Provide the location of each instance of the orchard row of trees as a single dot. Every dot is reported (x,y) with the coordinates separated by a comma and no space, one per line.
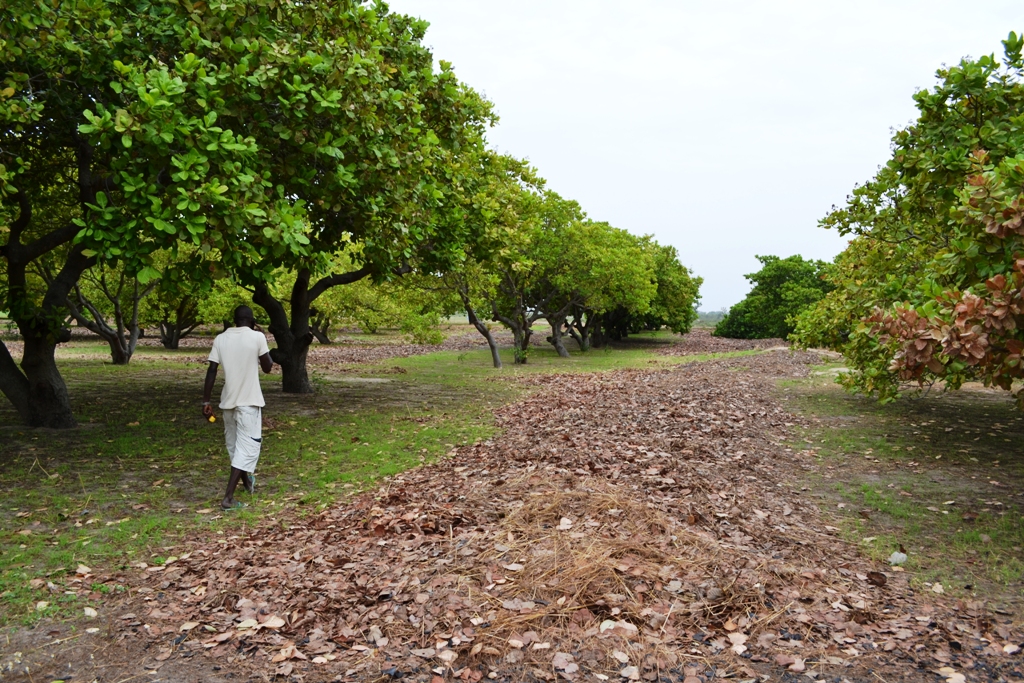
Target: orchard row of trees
(931,286)
(156,157)
(119,308)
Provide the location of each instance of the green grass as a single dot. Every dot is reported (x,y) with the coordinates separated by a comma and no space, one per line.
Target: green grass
(941,474)
(145,471)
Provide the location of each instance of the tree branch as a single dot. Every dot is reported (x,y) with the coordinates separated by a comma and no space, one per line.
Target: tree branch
(334,280)
(98,325)
(13,383)
(24,218)
(56,296)
(46,243)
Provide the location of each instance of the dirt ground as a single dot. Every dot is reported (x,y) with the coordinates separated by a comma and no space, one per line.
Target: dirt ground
(625,526)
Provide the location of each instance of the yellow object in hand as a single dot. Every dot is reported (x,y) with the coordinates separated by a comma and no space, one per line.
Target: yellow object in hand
(213,419)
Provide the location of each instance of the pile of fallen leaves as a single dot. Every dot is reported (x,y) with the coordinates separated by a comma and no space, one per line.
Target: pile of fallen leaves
(633,525)
(340,357)
(700,340)
(345,354)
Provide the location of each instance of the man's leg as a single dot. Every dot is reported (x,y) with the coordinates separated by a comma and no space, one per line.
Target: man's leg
(229,501)
(248,440)
(231,441)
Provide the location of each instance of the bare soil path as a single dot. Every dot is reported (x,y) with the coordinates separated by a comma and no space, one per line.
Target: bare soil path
(625,526)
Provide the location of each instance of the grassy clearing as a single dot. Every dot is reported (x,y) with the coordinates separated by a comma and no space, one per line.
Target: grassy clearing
(145,470)
(941,474)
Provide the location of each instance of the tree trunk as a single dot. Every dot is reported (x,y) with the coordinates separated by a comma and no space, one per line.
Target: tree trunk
(291,356)
(123,335)
(14,384)
(521,340)
(481,327)
(49,404)
(556,336)
(37,390)
(172,332)
(170,335)
(119,351)
(119,354)
(520,336)
(293,339)
(582,330)
(556,318)
(519,323)
(577,337)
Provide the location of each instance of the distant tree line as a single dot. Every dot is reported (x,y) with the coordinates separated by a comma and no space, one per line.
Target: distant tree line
(782,290)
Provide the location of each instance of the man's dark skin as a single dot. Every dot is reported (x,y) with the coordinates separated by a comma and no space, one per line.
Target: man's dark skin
(243,318)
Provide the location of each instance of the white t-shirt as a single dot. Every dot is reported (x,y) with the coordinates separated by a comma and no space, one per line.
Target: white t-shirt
(238,350)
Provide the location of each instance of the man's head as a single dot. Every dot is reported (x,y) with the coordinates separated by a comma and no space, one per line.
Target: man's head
(244,317)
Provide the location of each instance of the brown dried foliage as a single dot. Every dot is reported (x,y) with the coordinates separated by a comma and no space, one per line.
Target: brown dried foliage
(976,330)
(634,524)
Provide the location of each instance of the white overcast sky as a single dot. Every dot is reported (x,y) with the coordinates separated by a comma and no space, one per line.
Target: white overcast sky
(727,129)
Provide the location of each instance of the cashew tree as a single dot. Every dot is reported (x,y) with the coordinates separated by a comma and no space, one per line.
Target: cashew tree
(261,132)
(931,288)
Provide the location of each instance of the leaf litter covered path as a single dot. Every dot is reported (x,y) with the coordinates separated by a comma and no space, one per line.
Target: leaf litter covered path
(635,525)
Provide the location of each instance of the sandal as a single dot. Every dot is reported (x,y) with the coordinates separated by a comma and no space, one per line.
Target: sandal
(237,505)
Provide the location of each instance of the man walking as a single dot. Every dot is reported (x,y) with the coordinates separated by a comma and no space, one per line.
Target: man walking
(242,351)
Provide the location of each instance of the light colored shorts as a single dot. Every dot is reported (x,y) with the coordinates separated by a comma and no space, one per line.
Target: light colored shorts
(243,434)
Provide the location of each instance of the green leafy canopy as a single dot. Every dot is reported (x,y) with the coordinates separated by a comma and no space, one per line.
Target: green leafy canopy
(930,288)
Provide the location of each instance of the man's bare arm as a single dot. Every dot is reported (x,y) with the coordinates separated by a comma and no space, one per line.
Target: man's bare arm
(211,377)
(266,363)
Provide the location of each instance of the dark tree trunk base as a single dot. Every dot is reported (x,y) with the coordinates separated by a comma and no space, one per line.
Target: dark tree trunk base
(556,337)
(294,377)
(48,404)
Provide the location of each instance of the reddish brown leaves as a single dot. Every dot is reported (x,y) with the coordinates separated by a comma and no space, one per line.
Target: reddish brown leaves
(978,330)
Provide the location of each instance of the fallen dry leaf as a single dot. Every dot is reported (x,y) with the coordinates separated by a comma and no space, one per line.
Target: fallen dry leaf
(274,622)
(738,641)
(562,660)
